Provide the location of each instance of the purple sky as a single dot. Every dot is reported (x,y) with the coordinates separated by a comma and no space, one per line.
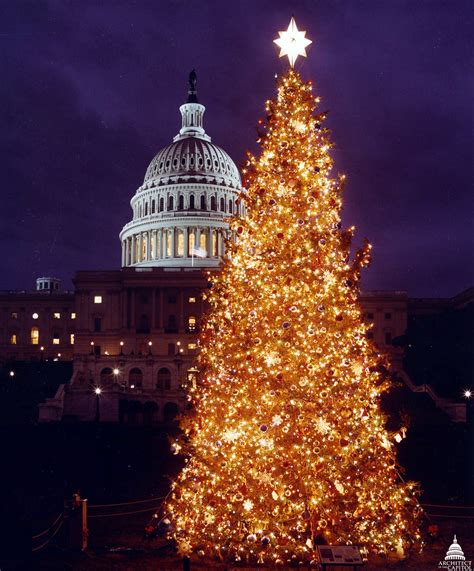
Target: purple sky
(90,92)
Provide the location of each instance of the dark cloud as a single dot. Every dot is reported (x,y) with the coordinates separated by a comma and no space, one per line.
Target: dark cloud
(90,91)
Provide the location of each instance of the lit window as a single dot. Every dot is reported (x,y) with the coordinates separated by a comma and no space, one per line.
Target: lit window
(14,315)
(57,315)
(192,346)
(34,336)
(192,300)
(56,339)
(35,316)
(169,240)
(203,242)
(71,338)
(191,324)
(180,243)
(191,241)
(73,316)
(97,299)
(13,339)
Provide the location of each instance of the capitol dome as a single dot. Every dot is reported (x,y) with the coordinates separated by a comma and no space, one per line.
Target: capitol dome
(181,211)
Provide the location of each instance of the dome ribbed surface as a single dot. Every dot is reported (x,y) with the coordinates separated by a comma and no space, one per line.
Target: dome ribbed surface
(192,156)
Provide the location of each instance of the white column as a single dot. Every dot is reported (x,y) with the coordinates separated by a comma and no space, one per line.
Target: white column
(219,243)
(140,247)
(133,249)
(209,242)
(197,238)
(173,242)
(186,249)
(148,246)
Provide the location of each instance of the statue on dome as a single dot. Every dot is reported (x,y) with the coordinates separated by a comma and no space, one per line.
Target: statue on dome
(192,80)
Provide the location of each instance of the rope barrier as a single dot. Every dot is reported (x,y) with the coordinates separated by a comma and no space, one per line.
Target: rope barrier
(450,507)
(125,513)
(125,503)
(48,540)
(453,516)
(49,528)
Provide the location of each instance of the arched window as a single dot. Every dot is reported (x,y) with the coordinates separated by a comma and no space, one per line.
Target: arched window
(230,206)
(162,204)
(135,378)
(153,206)
(180,243)
(213,203)
(163,380)
(169,241)
(34,336)
(222,205)
(170,203)
(192,324)
(181,202)
(106,377)
(203,202)
(191,202)
(191,241)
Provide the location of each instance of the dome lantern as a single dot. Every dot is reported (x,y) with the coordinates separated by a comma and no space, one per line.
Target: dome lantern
(192,113)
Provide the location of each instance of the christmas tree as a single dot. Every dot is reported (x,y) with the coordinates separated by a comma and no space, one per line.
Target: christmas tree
(285,443)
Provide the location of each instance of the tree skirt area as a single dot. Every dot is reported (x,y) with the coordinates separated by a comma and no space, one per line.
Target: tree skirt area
(116,546)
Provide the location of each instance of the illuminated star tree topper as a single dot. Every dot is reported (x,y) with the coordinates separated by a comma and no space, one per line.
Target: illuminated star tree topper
(292,43)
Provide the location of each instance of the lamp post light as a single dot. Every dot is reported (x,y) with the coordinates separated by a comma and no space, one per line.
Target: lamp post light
(121,347)
(98,392)
(468,395)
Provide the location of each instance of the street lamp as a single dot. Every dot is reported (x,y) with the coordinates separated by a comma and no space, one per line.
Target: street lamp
(468,394)
(98,392)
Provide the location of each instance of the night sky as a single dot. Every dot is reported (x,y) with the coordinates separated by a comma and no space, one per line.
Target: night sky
(90,92)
